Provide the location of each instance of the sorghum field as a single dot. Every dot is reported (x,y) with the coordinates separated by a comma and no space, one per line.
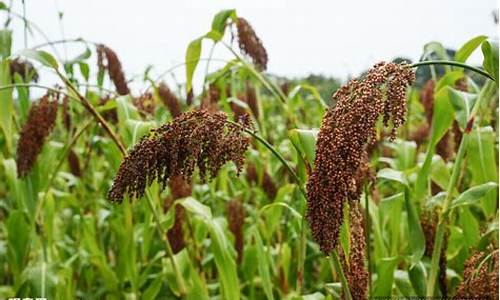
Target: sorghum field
(251,186)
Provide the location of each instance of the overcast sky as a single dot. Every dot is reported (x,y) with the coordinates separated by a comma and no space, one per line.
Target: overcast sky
(338,38)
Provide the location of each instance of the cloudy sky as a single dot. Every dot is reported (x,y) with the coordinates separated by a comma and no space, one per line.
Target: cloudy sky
(338,38)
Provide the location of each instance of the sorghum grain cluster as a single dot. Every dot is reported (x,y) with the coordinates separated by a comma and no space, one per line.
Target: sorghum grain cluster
(41,120)
(250,44)
(480,281)
(114,67)
(345,131)
(197,138)
(169,99)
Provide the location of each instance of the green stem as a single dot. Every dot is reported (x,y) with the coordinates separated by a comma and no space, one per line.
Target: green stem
(452,63)
(170,253)
(343,280)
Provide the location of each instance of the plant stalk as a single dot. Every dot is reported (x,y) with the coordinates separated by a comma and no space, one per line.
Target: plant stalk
(340,273)
(452,63)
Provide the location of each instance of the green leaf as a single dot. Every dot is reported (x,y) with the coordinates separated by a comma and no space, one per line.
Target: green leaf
(6,104)
(153,289)
(311,89)
(403,283)
(224,260)
(393,175)
(85,70)
(3,6)
(263,265)
(295,213)
(193,53)
(483,165)
(463,103)
(5,43)
(417,278)
(470,226)
(385,272)
(415,234)
(41,56)
(304,140)
(220,19)
(473,195)
(442,119)
(466,50)
(436,48)
(490,53)
(80,58)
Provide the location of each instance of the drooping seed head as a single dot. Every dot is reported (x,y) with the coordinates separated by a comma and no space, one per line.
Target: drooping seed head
(196,138)
(251,44)
(41,120)
(114,67)
(169,99)
(480,280)
(345,131)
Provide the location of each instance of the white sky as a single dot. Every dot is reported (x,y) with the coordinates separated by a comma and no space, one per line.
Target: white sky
(338,38)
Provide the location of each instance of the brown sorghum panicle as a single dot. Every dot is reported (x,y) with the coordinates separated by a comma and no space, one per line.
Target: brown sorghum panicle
(479,281)
(169,99)
(24,68)
(236,219)
(195,138)
(41,120)
(250,44)
(74,163)
(114,67)
(345,131)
